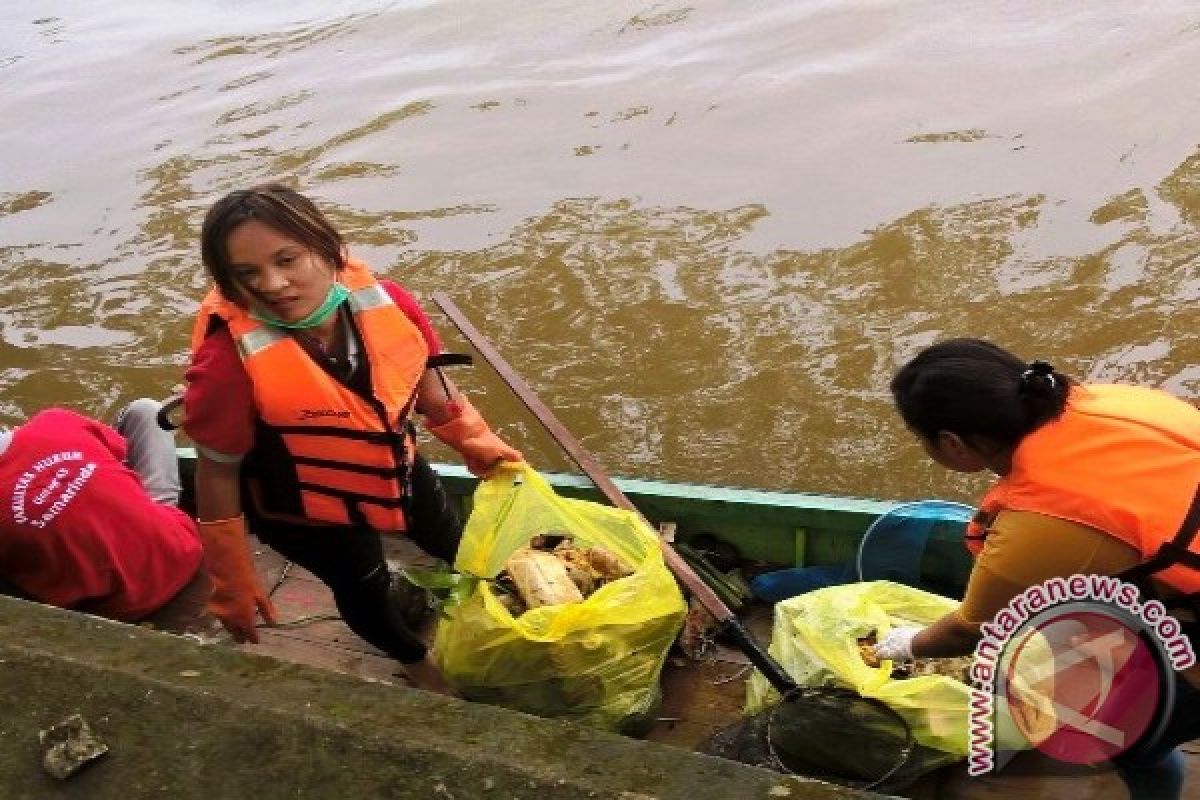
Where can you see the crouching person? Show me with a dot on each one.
(87, 514)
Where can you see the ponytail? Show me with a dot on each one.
(1043, 391)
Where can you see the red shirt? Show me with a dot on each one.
(78, 530)
(219, 410)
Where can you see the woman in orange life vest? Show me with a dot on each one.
(1093, 480)
(305, 373)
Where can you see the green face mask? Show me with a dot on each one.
(337, 295)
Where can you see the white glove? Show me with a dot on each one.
(897, 645)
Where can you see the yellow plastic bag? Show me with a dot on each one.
(597, 662)
(814, 641)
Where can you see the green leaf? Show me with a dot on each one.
(449, 588)
(433, 579)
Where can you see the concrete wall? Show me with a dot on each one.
(189, 721)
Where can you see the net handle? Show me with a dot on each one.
(730, 624)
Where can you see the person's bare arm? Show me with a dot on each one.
(218, 491)
(950, 636)
(436, 400)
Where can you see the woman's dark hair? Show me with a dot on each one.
(273, 204)
(977, 390)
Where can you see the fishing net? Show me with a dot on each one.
(851, 722)
(830, 733)
(816, 636)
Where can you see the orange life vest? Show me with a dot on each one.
(1124, 460)
(351, 454)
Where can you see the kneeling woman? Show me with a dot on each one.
(305, 374)
(1093, 480)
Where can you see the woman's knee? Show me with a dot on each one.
(142, 411)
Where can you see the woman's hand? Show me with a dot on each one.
(949, 637)
(897, 644)
(237, 595)
(481, 449)
(451, 418)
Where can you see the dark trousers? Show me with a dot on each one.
(1156, 771)
(349, 560)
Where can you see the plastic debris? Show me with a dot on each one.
(69, 746)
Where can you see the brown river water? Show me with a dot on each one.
(706, 234)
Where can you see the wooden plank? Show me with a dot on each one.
(327, 633)
(699, 698)
(302, 599)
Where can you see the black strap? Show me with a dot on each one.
(984, 520)
(436, 362)
(373, 437)
(1176, 551)
(345, 466)
(352, 497)
(1191, 523)
(449, 360)
(164, 412)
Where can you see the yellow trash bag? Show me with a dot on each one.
(814, 641)
(597, 662)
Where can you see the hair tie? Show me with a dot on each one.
(1039, 369)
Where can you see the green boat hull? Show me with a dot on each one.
(780, 529)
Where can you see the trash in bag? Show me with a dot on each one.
(596, 660)
(816, 638)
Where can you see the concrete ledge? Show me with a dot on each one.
(188, 721)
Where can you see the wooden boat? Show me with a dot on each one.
(782, 529)
(700, 697)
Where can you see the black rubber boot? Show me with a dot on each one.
(412, 603)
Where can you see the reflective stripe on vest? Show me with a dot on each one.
(368, 297)
(253, 342)
(1124, 460)
(351, 455)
